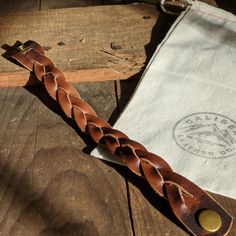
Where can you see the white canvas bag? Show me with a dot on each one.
(184, 108)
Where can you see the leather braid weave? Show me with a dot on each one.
(185, 198)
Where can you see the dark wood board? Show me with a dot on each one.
(81, 38)
(18, 5)
(48, 185)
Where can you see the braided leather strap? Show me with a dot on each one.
(186, 199)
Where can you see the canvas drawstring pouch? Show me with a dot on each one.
(184, 108)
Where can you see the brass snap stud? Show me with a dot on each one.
(20, 47)
(210, 220)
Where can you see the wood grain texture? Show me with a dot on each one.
(13, 79)
(83, 40)
(48, 186)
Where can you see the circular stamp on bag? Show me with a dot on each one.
(206, 134)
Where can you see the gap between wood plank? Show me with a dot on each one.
(126, 179)
(129, 204)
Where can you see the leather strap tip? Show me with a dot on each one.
(188, 211)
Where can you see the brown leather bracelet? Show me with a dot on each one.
(195, 209)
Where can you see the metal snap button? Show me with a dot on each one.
(210, 220)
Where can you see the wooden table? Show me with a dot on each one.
(48, 184)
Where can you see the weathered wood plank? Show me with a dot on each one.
(84, 40)
(48, 186)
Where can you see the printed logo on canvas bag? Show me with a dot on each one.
(206, 134)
